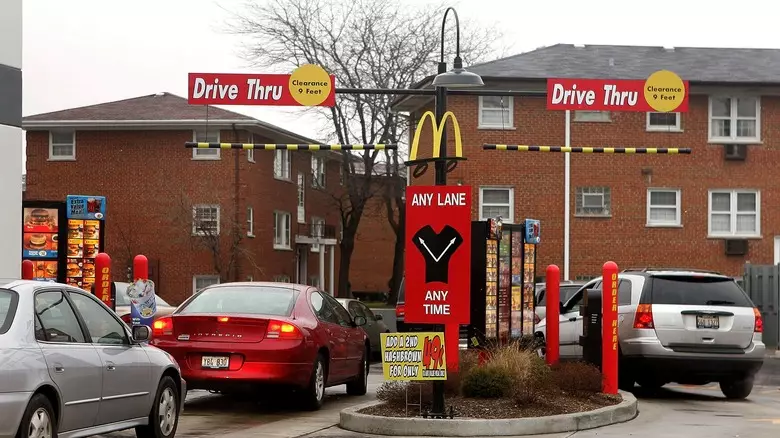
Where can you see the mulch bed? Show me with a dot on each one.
(552, 404)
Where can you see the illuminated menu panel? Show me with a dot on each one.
(529, 285)
(504, 285)
(491, 290)
(83, 247)
(39, 233)
(517, 284)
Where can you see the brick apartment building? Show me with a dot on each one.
(201, 216)
(717, 208)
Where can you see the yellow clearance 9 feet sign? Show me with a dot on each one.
(413, 356)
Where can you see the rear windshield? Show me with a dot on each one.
(698, 291)
(253, 300)
(8, 303)
(567, 291)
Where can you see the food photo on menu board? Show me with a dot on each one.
(45, 270)
(39, 237)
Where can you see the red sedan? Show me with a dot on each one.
(234, 337)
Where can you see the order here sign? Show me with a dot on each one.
(438, 254)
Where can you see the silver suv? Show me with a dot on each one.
(682, 326)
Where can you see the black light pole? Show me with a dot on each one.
(457, 78)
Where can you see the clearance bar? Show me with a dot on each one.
(585, 150)
(292, 147)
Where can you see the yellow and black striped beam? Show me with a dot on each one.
(585, 150)
(292, 147)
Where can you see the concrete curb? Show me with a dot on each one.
(354, 421)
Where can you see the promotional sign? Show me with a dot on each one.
(532, 231)
(85, 216)
(308, 85)
(413, 356)
(42, 233)
(438, 255)
(663, 91)
(143, 305)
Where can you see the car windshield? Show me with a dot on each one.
(253, 300)
(567, 291)
(698, 291)
(123, 300)
(8, 302)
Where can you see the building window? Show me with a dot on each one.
(205, 136)
(205, 220)
(250, 222)
(317, 230)
(497, 202)
(281, 230)
(282, 164)
(250, 153)
(663, 208)
(592, 116)
(735, 119)
(664, 122)
(734, 213)
(593, 201)
(301, 198)
(200, 282)
(281, 278)
(317, 172)
(62, 145)
(496, 112)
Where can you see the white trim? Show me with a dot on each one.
(285, 173)
(195, 279)
(580, 192)
(678, 208)
(663, 128)
(48, 124)
(196, 152)
(250, 153)
(777, 250)
(72, 156)
(315, 220)
(511, 218)
(195, 230)
(733, 213)
(508, 109)
(319, 170)
(277, 215)
(733, 120)
(250, 221)
(301, 197)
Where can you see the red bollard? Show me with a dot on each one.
(28, 270)
(140, 267)
(609, 328)
(553, 293)
(103, 283)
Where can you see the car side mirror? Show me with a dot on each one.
(360, 321)
(378, 317)
(141, 333)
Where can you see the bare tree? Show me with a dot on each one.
(222, 241)
(128, 247)
(395, 205)
(365, 44)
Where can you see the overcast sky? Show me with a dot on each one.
(83, 52)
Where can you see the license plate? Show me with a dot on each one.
(707, 322)
(215, 362)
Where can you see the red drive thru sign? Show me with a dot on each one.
(663, 92)
(438, 254)
(308, 85)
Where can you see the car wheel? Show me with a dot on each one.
(737, 389)
(650, 383)
(359, 386)
(314, 394)
(38, 420)
(164, 417)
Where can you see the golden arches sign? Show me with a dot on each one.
(438, 132)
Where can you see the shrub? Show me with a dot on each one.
(530, 343)
(535, 381)
(488, 381)
(577, 377)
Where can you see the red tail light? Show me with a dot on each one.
(644, 317)
(759, 321)
(399, 310)
(127, 319)
(162, 327)
(282, 330)
(537, 320)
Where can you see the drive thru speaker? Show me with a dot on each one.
(590, 310)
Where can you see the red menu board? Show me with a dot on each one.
(40, 241)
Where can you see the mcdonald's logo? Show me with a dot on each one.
(438, 131)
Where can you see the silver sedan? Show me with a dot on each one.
(69, 367)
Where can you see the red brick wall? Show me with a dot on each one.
(538, 184)
(150, 180)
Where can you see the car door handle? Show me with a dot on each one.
(110, 366)
(59, 369)
(573, 318)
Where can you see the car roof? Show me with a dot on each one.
(683, 272)
(258, 284)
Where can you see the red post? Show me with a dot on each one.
(452, 346)
(140, 267)
(553, 293)
(28, 270)
(609, 328)
(103, 283)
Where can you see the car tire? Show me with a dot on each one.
(40, 415)
(737, 388)
(314, 393)
(359, 386)
(164, 417)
